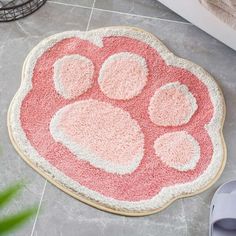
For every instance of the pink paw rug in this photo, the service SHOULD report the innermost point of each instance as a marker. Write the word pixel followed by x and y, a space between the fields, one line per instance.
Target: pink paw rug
pixel 114 119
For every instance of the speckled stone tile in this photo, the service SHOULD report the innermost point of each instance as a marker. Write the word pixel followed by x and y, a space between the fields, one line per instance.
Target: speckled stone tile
pixel 12 167
pixel 49 19
pixel 68 216
pixel 151 8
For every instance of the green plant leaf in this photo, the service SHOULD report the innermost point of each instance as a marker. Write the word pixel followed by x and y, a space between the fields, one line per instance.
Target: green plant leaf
pixel 11 222
pixel 7 194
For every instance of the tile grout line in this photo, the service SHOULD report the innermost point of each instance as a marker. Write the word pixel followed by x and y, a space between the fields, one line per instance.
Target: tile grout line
pixel 122 13
pixel 68 4
pixel 40 203
pixel 90 16
pixel 142 16
pixel 185 219
pixel 22 29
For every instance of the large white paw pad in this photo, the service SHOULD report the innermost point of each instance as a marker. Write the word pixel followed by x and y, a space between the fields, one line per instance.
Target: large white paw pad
pixel 100 133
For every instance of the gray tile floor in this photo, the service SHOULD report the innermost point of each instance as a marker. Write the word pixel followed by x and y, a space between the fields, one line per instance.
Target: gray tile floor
pixel 60 214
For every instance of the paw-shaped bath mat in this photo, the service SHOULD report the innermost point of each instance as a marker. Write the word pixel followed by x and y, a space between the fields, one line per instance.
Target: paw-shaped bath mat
pixel 114 119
